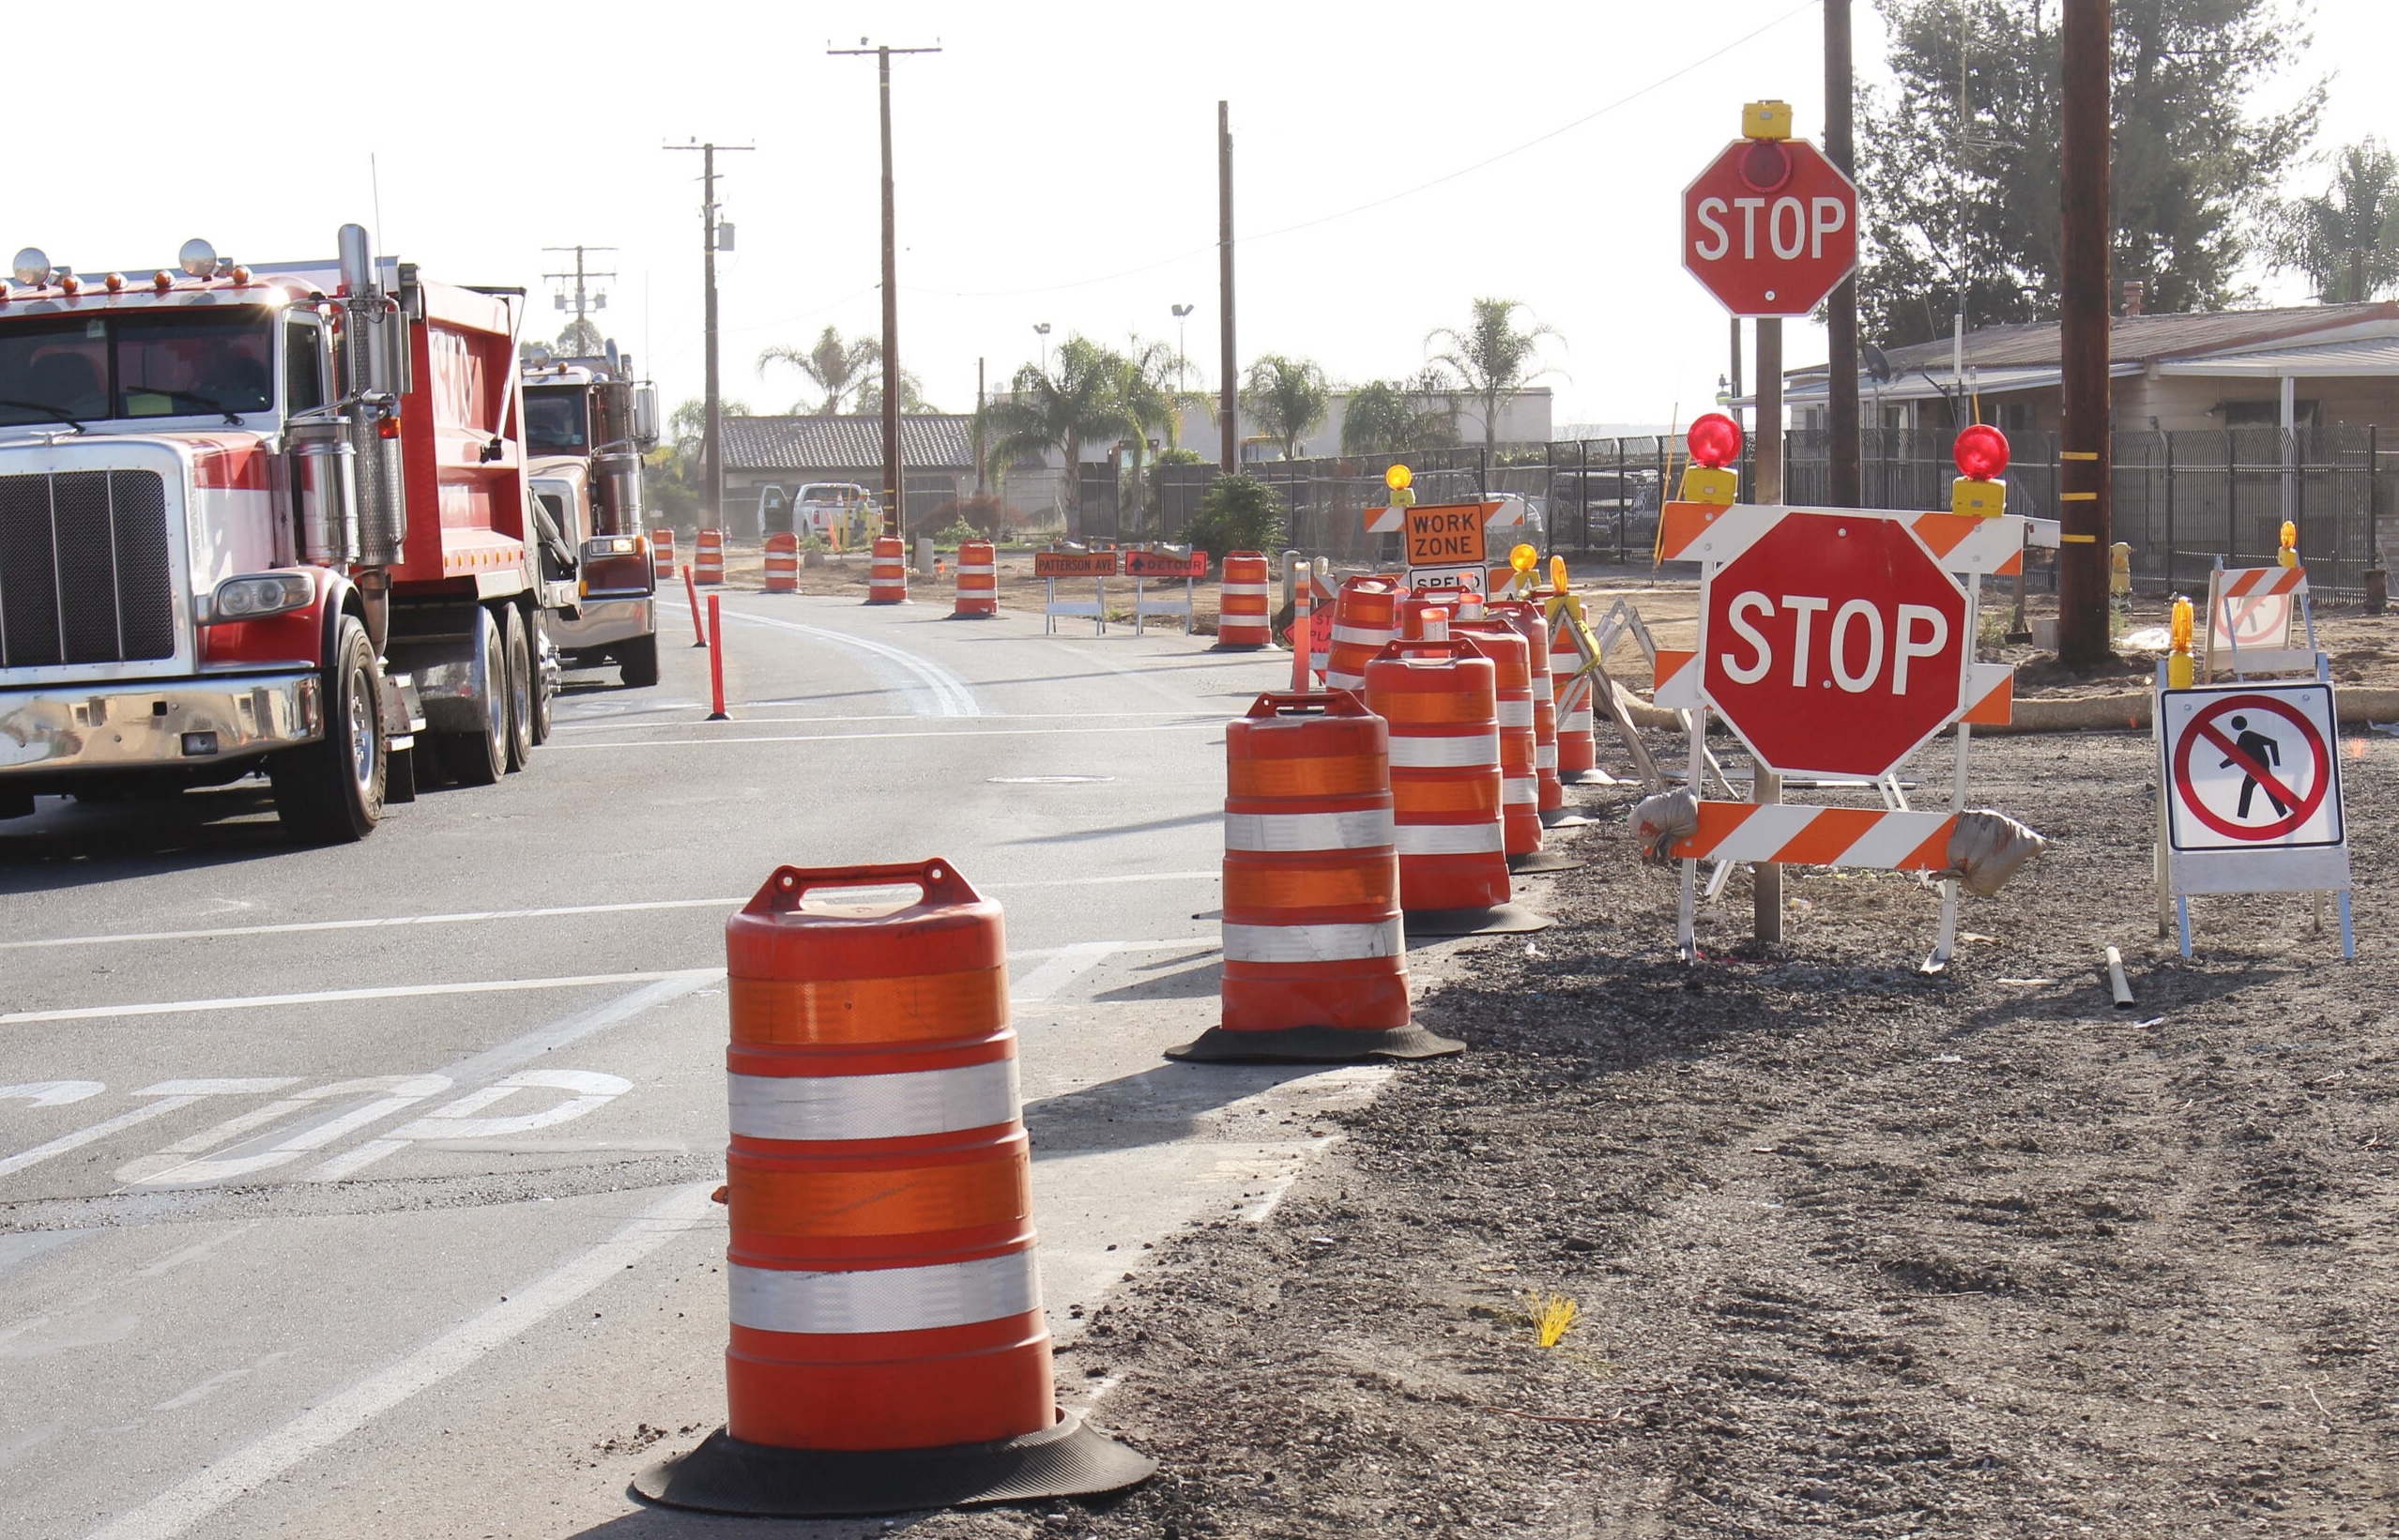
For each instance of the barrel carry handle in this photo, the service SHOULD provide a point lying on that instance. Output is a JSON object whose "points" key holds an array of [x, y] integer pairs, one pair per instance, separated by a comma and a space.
{"points": [[1332, 703], [938, 880]]}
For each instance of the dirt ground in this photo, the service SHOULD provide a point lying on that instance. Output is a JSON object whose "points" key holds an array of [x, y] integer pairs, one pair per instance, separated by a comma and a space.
{"points": [[1853, 1249]]}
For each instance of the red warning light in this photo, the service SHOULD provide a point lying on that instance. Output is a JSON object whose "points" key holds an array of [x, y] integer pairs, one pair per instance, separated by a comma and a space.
{"points": [[1766, 165], [1981, 452], [1715, 441]]}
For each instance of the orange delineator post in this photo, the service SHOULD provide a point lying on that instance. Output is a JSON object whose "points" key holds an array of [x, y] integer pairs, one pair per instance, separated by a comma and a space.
{"points": [[1315, 958], [691, 592], [783, 563], [887, 571], [711, 561], [661, 554], [888, 1347], [716, 659], [1244, 615], [1303, 656], [978, 590]]}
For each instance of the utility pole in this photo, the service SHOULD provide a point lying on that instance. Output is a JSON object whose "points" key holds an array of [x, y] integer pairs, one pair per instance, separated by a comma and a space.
{"points": [[978, 427], [581, 298], [894, 480], [2084, 38], [712, 239], [1844, 448], [1229, 386]]}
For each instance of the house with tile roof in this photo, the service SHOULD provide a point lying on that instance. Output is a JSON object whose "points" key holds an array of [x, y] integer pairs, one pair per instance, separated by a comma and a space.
{"points": [[937, 455]]}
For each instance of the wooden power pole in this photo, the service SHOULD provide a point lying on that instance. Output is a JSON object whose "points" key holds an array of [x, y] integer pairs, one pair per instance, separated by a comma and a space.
{"points": [[711, 429], [1229, 386], [2086, 237], [895, 475], [1843, 450]]}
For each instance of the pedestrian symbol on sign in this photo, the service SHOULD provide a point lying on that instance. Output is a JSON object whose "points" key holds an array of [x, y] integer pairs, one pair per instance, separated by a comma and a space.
{"points": [[2252, 752]]}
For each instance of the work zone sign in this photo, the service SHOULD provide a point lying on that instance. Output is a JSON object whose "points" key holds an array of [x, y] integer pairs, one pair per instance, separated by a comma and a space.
{"points": [[1447, 544], [2254, 768]]}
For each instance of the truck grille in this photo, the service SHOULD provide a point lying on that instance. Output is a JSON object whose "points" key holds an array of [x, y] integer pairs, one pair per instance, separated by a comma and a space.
{"points": [[83, 568]]}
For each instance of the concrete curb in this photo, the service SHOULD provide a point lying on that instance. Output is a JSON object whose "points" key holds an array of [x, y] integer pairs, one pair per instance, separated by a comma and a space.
{"points": [[2125, 709]]}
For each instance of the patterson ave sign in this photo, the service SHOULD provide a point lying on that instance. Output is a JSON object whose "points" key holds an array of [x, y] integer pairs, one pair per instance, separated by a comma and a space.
{"points": [[1770, 227], [1835, 644]]}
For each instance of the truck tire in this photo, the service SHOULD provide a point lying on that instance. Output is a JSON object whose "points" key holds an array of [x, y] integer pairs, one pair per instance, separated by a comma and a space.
{"points": [[546, 667], [479, 758], [637, 663], [521, 688], [331, 792]]}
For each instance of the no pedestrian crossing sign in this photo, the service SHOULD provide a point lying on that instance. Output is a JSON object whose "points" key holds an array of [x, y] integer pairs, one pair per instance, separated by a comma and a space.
{"points": [[2252, 768]]}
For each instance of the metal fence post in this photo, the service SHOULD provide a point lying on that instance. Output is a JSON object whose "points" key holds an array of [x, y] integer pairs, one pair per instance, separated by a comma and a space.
{"points": [[2232, 500], [1621, 470], [2169, 513]]}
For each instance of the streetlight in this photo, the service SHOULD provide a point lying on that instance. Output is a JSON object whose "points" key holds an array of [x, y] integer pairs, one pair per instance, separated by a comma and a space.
{"points": [[1041, 329], [1180, 311]]}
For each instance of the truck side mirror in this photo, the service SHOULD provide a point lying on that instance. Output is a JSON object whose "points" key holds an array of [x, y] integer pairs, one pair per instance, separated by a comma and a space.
{"points": [[645, 416]]}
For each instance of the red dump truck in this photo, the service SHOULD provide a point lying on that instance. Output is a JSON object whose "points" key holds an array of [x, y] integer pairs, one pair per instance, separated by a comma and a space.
{"points": [[267, 520]]}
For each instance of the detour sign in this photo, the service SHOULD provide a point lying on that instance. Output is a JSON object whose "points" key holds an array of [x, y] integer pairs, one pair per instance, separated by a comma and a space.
{"points": [[1447, 534]]}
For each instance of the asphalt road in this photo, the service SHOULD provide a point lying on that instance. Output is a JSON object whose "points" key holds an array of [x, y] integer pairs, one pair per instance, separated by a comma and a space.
{"points": [[365, 1191]]}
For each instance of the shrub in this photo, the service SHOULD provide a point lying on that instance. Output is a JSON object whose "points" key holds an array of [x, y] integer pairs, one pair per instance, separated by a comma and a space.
{"points": [[1238, 513]]}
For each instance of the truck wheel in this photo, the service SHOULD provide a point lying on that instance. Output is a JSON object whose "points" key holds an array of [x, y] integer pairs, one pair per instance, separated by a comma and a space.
{"points": [[331, 792], [521, 688], [546, 666], [479, 758], [637, 663]]}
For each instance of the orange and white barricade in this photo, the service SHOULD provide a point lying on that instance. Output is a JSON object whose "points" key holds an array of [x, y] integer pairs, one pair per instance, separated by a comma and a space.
{"points": [[1440, 699], [783, 563], [1792, 835], [661, 554], [887, 571], [1365, 617], [708, 567], [889, 1349], [1315, 958], [1570, 690], [1520, 784], [978, 594], [2252, 614], [1243, 614]]}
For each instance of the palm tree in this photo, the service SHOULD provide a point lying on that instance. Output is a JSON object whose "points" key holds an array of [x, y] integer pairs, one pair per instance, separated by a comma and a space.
{"points": [[2347, 239], [870, 394], [1287, 396], [1386, 416], [1493, 360], [837, 368], [1077, 400], [1145, 389]]}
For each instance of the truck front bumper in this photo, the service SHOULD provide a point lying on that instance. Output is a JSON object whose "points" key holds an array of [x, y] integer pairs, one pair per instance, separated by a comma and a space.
{"points": [[62, 731], [600, 620]]}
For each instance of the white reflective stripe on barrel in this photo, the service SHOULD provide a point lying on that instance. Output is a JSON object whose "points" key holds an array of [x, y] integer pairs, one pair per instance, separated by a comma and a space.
{"points": [[1361, 636], [1313, 944], [873, 1107], [1258, 589], [1364, 829], [1452, 839], [1472, 749], [1516, 714], [1574, 722], [979, 570], [888, 1299], [1545, 756], [1519, 788]]}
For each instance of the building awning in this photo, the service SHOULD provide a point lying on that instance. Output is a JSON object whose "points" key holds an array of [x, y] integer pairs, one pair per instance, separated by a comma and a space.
{"points": [[2369, 356], [1813, 389]]}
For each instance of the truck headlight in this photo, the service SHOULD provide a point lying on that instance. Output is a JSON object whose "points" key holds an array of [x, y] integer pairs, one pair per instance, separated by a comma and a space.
{"points": [[255, 597], [611, 546]]}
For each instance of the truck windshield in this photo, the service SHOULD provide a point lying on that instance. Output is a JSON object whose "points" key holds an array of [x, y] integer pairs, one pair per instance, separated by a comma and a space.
{"points": [[554, 422], [175, 363]]}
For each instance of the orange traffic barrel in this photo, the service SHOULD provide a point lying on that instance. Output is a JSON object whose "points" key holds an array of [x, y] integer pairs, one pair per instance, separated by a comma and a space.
{"points": [[1525, 616], [1578, 745], [887, 571], [1241, 610], [889, 1349], [978, 581], [783, 563], [708, 568], [661, 554], [1520, 785], [1315, 955], [1366, 616]]}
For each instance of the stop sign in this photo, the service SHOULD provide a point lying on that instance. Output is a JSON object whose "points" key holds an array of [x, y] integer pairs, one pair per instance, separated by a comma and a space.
{"points": [[1834, 645], [1770, 227]]}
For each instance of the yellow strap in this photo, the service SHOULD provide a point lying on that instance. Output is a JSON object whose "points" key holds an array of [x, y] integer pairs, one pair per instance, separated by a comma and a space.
{"points": [[2078, 454], [2080, 540], [2078, 496]]}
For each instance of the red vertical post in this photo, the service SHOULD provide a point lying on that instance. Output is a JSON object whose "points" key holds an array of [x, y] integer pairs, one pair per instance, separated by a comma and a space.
{"points": [[691, 591], [1303, 652], [716, 660]]}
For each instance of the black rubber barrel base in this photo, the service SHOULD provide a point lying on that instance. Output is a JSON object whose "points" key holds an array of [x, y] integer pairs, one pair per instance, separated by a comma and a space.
{"points": [[725, 1475], [1543, 861], [955, 616], [1314, 1045], [1503, 920], [1244, 646]]}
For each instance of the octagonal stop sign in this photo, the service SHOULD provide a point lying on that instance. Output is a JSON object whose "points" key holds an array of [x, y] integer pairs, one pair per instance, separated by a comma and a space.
{"points": [[1834, 645], [1770, 227]]}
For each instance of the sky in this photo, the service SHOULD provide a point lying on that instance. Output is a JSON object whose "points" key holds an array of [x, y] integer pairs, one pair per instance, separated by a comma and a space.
{"points": [[1054, 164]]}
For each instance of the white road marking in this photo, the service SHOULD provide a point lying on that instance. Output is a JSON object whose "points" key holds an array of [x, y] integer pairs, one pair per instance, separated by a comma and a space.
{"points": [[889, 716], [951, 696], [327, 997], [1066, 964], [481, 916], [406, 1093], [213, 1489], [172, 1095], [592, 1090], [1211, 726], [51, 1092]]}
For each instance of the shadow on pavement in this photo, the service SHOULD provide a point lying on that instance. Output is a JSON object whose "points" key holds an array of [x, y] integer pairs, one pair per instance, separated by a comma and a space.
{"points": [[75, 844], [1200, 981], [1155, 1106], [1112, 831], [648, 1523]]}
